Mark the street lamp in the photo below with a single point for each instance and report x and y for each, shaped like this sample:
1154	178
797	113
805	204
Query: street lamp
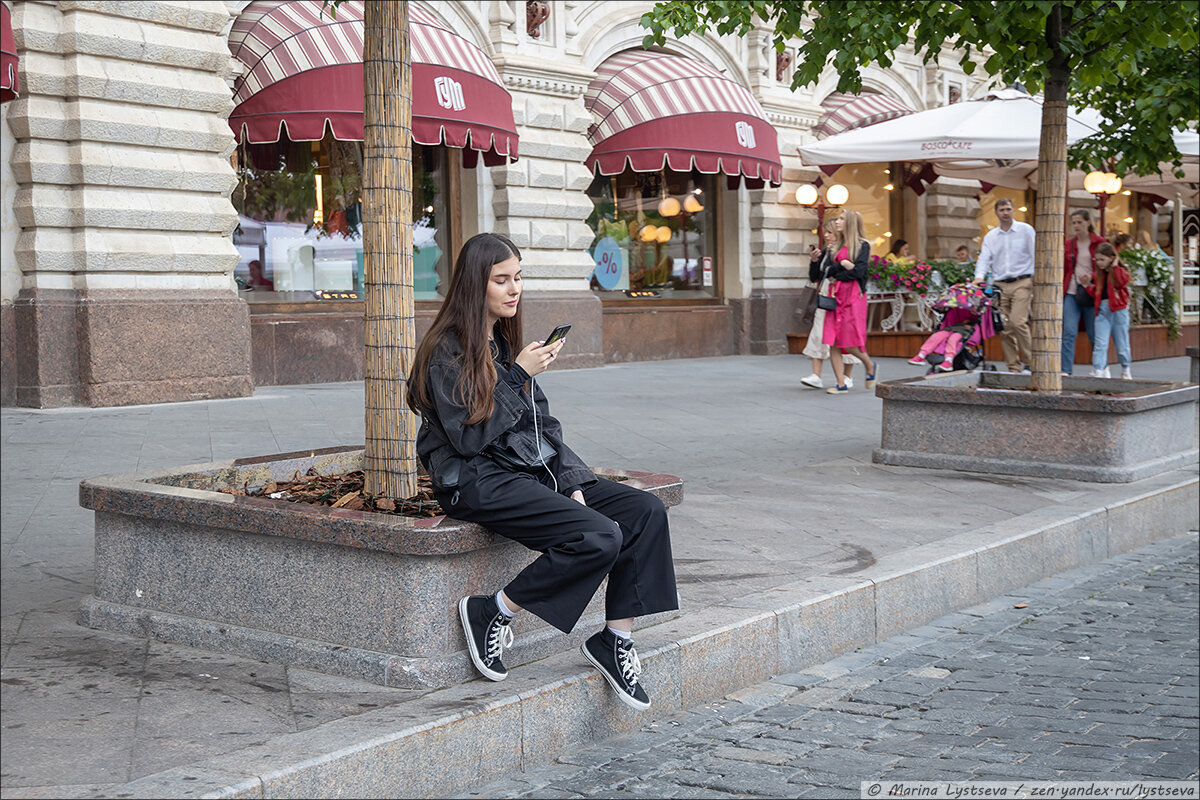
1103	185
835	196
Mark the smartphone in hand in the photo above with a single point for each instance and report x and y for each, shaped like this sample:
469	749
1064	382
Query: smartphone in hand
556	334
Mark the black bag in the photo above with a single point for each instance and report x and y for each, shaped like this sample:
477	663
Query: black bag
809	312
1082	297
826	302
997	320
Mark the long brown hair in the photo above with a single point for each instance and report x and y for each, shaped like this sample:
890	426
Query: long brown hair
464	312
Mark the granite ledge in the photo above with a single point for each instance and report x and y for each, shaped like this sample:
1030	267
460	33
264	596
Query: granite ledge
189	494
964	389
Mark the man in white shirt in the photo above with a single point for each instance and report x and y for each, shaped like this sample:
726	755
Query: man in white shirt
1007	253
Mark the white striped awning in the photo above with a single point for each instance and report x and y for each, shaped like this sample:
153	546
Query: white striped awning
845	112
304	75
655	110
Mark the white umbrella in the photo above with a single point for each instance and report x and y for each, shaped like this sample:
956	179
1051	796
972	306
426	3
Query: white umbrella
1006	125
1023	174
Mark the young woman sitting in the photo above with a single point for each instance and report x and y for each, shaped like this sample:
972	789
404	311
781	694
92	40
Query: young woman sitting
497	457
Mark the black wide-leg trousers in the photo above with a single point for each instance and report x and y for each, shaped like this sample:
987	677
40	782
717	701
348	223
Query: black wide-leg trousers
622	532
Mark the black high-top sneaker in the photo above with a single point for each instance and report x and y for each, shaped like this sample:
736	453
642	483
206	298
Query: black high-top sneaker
487	634
618	663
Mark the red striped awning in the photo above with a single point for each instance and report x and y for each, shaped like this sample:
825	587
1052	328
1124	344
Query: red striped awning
658	111
845	112
8	57
304	73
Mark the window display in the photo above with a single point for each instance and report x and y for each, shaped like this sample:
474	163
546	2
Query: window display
1118	216
870	187
655	235
300	216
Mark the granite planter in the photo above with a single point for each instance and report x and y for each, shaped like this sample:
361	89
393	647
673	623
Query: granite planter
1098	429
361	594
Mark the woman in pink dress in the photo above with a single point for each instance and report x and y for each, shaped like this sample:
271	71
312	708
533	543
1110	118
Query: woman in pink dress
846	326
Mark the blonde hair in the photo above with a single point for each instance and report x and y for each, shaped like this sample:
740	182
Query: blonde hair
852	231
1146	240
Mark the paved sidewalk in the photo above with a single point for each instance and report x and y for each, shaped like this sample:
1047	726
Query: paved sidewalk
779	486
1088	676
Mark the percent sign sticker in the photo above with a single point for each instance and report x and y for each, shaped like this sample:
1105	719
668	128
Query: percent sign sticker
610	262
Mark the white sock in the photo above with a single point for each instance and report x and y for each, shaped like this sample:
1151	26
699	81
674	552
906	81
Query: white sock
503	608
619	634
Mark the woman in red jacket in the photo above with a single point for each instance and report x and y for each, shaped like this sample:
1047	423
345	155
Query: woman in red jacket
1078	301
1111	289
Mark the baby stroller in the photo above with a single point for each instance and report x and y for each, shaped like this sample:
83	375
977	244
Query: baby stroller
970	311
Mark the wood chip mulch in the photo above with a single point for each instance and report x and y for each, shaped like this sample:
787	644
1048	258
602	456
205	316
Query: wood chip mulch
344	491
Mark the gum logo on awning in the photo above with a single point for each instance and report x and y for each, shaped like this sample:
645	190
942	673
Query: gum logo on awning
745	135
449	93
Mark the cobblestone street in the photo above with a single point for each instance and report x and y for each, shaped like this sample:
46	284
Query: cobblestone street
1090	675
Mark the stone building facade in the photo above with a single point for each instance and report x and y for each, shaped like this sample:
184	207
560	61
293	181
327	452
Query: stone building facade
118	263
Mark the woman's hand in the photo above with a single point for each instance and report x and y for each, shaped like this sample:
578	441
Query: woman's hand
846	263
535	359
577	496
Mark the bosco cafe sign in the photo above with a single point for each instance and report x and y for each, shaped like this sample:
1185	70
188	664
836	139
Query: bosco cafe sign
946	146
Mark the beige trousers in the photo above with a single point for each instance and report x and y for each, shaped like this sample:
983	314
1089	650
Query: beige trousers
1016	339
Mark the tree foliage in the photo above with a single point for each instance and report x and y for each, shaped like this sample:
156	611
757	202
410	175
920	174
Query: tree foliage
1134	61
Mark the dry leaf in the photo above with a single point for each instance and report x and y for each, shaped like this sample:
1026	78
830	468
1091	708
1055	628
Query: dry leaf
385	504
346	498
1021	605
270	488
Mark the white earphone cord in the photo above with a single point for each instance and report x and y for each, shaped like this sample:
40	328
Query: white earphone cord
537	434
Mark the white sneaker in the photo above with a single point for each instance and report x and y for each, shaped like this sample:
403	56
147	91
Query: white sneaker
813	382
849	382
1126	374
1101	373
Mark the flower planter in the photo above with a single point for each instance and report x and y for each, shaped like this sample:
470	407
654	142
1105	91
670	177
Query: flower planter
365	595
1103	430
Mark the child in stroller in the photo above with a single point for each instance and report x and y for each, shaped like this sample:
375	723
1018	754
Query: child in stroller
967	321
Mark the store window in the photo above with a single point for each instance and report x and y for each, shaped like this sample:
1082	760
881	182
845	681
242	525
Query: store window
300	220
871	188
1022	210
1118	216
655	235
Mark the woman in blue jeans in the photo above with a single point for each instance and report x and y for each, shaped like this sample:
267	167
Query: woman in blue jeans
1078	301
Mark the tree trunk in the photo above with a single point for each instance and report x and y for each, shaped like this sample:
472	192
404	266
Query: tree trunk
390	461
1046	313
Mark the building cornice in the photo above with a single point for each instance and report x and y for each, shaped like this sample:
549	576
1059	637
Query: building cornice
537	76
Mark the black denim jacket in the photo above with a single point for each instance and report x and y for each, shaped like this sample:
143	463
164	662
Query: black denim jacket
444	442
859	272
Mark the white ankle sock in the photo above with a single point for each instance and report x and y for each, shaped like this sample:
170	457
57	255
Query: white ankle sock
619	634
503	608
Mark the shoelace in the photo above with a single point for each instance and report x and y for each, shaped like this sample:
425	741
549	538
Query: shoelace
499	637
631	665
